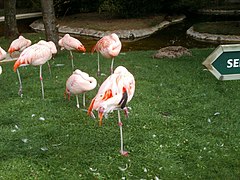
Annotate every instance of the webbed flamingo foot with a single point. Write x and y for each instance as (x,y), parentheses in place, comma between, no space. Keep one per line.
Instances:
(124,153)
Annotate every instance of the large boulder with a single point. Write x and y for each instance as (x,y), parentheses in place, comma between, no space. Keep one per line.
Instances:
(172,52)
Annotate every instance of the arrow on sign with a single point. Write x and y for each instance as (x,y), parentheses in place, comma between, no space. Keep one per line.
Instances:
(224,62)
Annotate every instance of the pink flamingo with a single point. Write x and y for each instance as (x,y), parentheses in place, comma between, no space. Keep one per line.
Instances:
(18,45)
(3,55)
(50,45)
(114,93)
(109,46)
(37,55)
(70,43)
(79,83)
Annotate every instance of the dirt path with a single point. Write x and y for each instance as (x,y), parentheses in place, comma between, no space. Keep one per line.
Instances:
(105,23)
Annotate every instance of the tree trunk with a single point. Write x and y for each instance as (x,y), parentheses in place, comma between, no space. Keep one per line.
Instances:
(10,30)
(49,20)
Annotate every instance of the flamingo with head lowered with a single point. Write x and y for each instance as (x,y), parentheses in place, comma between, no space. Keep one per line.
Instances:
(18,45)
(3,55)
(37,55)
(114,93)
(109,46)
(79,83)
(70,43)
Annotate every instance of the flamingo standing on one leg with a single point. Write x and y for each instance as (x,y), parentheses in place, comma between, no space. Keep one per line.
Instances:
(3,55)
(109,46)
(114,93)
(79,82)
(37,55)
(52,47)
(71,43)
(18,45)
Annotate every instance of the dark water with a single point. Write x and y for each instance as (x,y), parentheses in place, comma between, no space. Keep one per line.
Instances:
(23,26)
(176,34)
(172,35)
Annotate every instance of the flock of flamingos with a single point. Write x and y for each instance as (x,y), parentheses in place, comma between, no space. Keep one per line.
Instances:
(114,93)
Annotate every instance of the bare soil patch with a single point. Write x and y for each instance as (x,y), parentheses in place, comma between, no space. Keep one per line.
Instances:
(107,23)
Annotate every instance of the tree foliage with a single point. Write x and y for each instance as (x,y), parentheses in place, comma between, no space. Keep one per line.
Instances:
(136,8)
(125,8)
(131,8)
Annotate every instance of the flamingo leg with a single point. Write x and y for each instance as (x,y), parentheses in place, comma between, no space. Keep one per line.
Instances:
(124,153)
(98,72)
(49,68)
(112,66)
(41,80)
(84,100)
(126,112)
(71,55)
(20,84)
(77,101)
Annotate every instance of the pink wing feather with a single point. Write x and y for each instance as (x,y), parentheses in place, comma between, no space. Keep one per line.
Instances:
(34,55)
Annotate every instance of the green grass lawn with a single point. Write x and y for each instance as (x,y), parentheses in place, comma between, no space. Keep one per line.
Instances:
(183,123)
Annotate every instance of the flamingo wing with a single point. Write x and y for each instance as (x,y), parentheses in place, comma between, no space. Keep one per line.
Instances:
(80,82)
(103,45)
(109,46)
(115,92)
(19,44)
(71,43)
(34,55)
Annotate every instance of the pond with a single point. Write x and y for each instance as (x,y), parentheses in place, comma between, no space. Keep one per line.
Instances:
(172,35)
(23,26)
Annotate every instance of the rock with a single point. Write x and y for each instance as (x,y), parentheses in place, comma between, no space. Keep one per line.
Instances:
(213,38)
(172,52)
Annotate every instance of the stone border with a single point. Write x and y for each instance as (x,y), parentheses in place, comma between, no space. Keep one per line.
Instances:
(24,16)
(219,12)
(123,34)
(214,38)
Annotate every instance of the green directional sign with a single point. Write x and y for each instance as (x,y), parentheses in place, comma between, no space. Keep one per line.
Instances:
(224,62)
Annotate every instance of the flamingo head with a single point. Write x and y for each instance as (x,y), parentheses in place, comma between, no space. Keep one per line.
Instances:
(81,48)
(11,50)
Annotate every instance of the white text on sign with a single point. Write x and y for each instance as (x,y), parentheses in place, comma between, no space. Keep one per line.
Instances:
(232,63)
